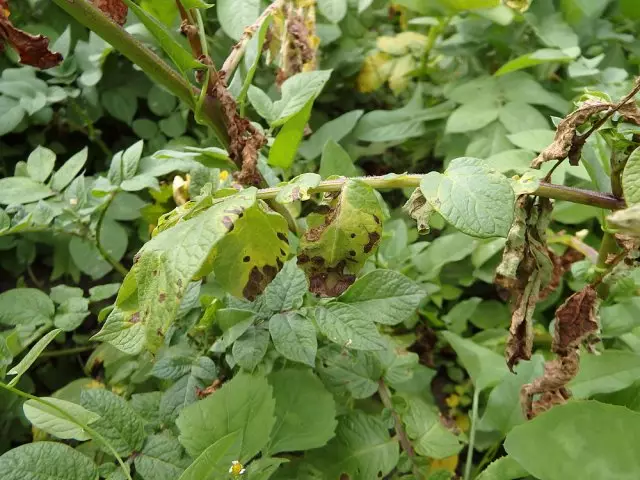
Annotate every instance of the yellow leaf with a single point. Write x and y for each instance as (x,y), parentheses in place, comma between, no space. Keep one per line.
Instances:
(462,421)
(375,71)
(402,44)
(452,401)
(399,79)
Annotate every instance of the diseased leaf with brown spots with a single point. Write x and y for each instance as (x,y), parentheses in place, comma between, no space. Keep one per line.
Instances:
(116,10)
(338,242)
(33,49)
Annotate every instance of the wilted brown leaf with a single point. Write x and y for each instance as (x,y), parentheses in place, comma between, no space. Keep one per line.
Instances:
(116,10)
(525,269)
(33,49)
(575,320)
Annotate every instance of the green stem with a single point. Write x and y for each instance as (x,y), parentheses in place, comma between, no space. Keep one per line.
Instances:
(202,34)
(434,33)
(548,190)
(472,434)
(385,397)
(121,269)
(156,68)
(99,438)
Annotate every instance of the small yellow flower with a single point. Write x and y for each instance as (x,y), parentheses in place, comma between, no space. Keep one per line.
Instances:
(236,468)
(224,174)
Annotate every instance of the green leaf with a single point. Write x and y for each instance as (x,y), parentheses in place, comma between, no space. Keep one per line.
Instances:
(71,314)
(25,306)
(103,292)
(244,404)
(305,412)
(336,161)
(181,57)
(333,10)
(550,447)
(294,337)
(631,178)
(33,354)
(385,296)
(534,140)
(539,57)
(611,371)
(255,47)
(423,426)
(249,261)
(473,115)
(40,163)
(400,124)
(195,4)
(618,319)
(249,349)
(123,331)
(519,116)
(485,367)
(22,190)
(505,468)
(353,372)
(297,92)
(349,327)
(261,103)
(503,410)
(61,462)
(11,114)
(161,458)
(87,257)
(69,170)
(472,197)
(335,130)
(215,460)
(284,148)
(121,104)
(161,102)
(45,418)
(235,15)
(287,290)
(362,449)
(119,424)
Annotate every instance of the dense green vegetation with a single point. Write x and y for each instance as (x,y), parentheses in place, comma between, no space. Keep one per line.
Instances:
(319,239)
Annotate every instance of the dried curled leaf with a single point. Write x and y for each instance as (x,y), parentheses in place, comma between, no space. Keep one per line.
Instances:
(420,210)
(575,322)
(626,221)
(568,142)
(525,270)
(116,10)
(33,49)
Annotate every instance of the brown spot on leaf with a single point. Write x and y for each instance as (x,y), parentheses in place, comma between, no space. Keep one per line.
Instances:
(258,280)
(228,223)
(575,320)
(179,282)
(136,257)
(162,297)
(373,241)
(116,10)
(246,259)
(352,253)
(282,252)
(302,258)
(283,237)
(376,219)
(135,318)
(33,49)
(155,273)
(317,260)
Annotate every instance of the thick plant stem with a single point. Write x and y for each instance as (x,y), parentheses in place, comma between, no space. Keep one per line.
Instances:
(385,396)
(472,433)
(548,190)
(156,68)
